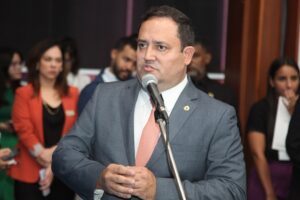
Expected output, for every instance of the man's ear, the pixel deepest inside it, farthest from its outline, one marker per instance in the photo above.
(207, 58)
(113, 54)
(188, 53)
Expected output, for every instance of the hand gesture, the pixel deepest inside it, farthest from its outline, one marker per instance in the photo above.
(117, 180)
(125, 182)
(45, 157)
(145, 183)
(291, 99)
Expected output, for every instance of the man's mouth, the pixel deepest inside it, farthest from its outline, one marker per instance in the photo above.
(149, 68)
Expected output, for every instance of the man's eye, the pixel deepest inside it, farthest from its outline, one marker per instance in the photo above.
(141, 45)
(161, 48)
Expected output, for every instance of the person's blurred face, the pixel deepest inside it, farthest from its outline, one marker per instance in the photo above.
(200, 60)
(160, 52)
(50, 64)
(286, 79)
(14, 69)
(123, 62)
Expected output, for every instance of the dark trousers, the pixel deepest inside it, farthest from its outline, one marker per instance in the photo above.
(58, 191)
(295, 186)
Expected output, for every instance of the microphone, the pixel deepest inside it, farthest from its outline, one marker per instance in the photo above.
(149, 82)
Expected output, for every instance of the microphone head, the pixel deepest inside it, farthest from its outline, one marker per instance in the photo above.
(147, 79)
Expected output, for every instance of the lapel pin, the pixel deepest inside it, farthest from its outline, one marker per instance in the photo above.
(211, 94)
(186, 108)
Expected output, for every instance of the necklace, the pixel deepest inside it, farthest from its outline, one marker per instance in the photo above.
(50, 110)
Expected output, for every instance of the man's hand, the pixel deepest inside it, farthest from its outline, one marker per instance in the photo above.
(145, 183)
(117, 180)
(4, 152)
(125, 181)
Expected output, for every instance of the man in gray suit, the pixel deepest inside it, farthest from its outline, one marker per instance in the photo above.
(100, 150)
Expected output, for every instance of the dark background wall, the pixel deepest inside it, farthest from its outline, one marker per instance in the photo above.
(97, 24)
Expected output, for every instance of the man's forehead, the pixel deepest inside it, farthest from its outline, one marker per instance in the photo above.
(158, 30)
(160, 23)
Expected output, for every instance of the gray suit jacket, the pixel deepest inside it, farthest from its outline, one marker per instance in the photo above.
(205, 142)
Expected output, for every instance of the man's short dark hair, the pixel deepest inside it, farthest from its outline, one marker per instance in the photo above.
(185, 29)
(204, 43)
(128, 40)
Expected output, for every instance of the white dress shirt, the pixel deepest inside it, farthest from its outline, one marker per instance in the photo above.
(78, 80)
(143, 108)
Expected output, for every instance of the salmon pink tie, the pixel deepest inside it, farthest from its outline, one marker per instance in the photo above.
(148, 141)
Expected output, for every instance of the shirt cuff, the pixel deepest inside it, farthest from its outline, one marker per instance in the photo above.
(37, 149)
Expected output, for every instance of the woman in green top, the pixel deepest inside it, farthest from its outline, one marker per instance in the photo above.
(10, 76)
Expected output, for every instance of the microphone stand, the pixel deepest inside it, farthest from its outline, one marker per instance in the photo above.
(162, 119)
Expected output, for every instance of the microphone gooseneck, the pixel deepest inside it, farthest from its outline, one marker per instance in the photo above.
(149, 82)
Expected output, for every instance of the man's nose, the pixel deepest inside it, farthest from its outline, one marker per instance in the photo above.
(149, 53)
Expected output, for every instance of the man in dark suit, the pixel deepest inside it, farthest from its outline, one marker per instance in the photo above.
(122, 65)
(197, 69)
(103, 152)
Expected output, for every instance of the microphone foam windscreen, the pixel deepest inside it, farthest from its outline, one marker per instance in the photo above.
(147, 79)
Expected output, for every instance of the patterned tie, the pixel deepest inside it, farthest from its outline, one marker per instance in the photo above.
(148, 141)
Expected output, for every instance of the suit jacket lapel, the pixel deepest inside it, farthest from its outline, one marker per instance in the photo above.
(129, 98)
(182, 110)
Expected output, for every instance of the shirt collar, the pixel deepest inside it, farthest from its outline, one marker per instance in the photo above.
(108, 76)
(170, 96)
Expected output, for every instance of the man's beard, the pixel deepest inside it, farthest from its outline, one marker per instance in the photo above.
(118, 73)
(197, 74)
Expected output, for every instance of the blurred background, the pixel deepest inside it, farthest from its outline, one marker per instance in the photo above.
(244, 35)
(97, 24)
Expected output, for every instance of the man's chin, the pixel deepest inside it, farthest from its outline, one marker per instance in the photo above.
(192, 73)
(123, 77)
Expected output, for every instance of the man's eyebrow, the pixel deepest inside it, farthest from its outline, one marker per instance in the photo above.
(159, 42)
(155, 41)
(140, 40)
